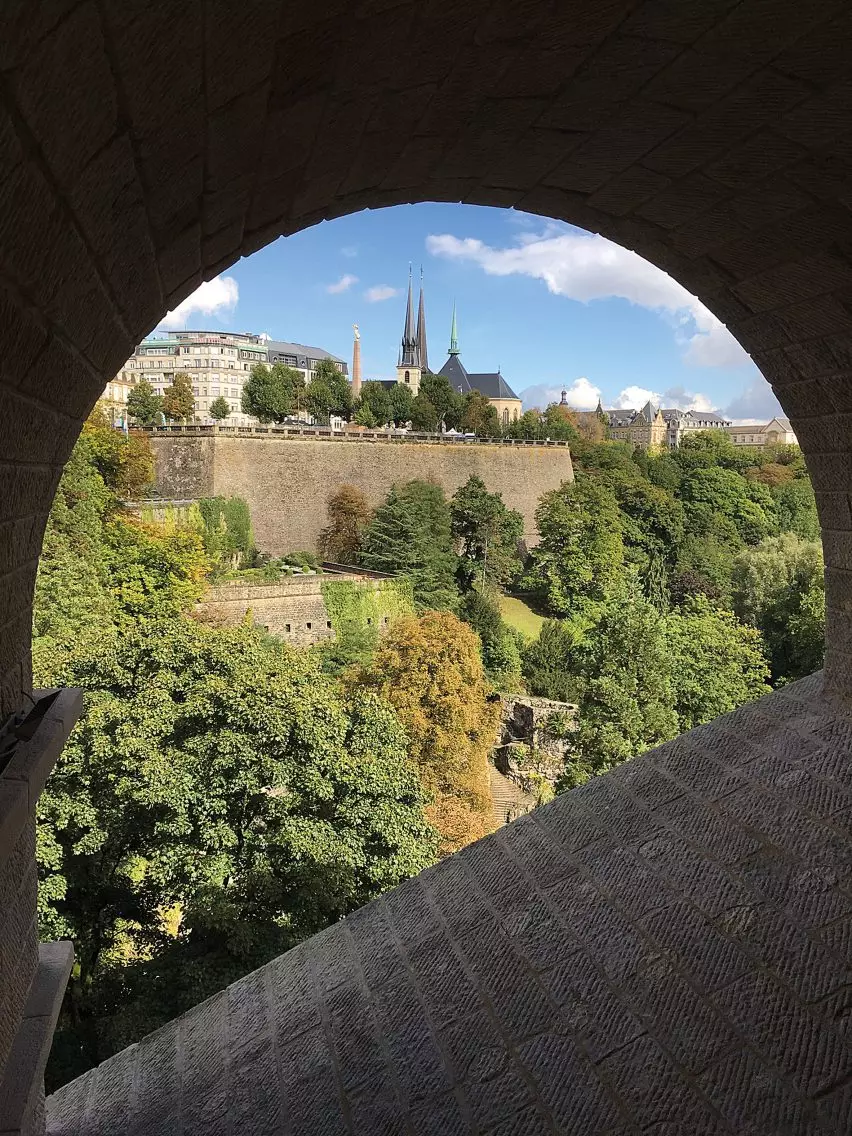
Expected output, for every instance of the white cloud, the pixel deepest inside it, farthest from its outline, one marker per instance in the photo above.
(757, 403)
(634, 398)
(380, 292)
(581, 394)
(217, 297)
(589, 267)
(342, 285)
(683, 399)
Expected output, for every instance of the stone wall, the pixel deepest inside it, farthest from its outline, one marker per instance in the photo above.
(292, 608)
(286, 480)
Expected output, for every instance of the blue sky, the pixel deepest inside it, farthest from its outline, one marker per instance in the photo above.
(552, 306)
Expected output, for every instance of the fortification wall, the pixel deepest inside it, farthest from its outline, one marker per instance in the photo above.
(293, 608)
(286, 480)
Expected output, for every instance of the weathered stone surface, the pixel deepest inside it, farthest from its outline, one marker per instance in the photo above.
(713, 138)
(528, 984)
(263, 469)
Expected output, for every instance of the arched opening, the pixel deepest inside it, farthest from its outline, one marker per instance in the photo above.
(124, 188)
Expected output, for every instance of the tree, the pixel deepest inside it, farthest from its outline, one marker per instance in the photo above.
(220, 409)
(365, 417)
(329, 392)
(549, 661)
(778, 587)
(580, 556)
(437, 389)
(376, 399)
(718, 663)
(712, 495)
(178, 399)
(125, 461)
(219, 802)
(348, 515)
(478, 416)
(424, 416)
(559, 423)
(411, 533)
(705, 449)
(271, 394)
(797, 511)
(143, 405)
(401, 404)
(487, 534)
(429, 669)
(501, 655)
(624, 681)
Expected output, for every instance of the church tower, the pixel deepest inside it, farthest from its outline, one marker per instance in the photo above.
(409, 367)
(421, 328)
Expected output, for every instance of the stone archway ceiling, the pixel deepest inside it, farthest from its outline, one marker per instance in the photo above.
(144, 146)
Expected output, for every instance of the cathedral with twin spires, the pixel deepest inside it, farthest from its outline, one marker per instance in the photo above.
(413, 363)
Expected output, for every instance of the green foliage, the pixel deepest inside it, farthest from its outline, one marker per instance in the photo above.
(447, 403)
(272, 394)
(411, 533)
(178, 399)
(549, 660)
(579, 558)
(401, 404)
(375, 407)
(487, 535)
(219, 776)
(329, 392)
(778, 587)
(478, 416)
(359, 612)
(501, 655)
(424, 416)
(642, 678)
(124, 461)
(143, 405)
(227, 530)
(797, 511)
(220, 409)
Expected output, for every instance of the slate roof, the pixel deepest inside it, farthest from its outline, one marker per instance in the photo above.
(301, 350)
(665, 948)
(490, 383)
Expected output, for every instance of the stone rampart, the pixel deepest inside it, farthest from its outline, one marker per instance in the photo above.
(293, 608)
(286, 479)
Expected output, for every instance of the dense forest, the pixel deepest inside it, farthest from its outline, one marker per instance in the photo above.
(225, 795)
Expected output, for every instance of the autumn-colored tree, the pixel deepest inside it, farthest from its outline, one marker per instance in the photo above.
(348, 513)
(429, 669)
(178, 399)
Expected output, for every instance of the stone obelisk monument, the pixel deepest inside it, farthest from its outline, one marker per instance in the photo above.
(356, 362)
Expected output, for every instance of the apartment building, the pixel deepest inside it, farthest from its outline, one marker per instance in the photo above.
(218, 362)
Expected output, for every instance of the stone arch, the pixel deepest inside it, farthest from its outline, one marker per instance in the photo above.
(136, 161)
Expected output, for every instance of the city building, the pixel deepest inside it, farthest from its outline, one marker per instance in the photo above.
(413, 358)
(654, 426)
(646, 428)
(218, 363)
(681, 422)
(114, 398)
(778, 431)
(490, 383)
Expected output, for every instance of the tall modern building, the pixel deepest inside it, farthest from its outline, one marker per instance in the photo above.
(218, 362)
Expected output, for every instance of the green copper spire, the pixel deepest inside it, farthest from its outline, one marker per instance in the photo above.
(454, 336)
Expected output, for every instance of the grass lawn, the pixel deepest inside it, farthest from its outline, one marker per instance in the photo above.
(520, 615)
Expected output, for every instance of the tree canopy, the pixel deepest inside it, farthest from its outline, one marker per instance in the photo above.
(429, 669)
(178, 399)
(272, 394)
(412, 533)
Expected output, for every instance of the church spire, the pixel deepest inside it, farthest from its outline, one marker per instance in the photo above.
(409, 355)
(454, 337)
(421, 328)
